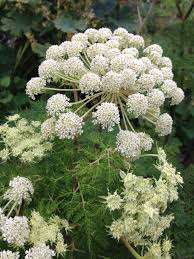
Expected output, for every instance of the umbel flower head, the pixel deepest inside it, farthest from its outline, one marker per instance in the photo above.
(142, 205)
(116, 79)
(20, 189)
(41, 252)
(9, 255)
(22, 139)
(15, 230)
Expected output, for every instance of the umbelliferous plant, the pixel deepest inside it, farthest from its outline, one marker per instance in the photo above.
(34, 237)
(112, 79)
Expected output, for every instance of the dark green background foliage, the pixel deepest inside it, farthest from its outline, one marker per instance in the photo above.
(27, 28)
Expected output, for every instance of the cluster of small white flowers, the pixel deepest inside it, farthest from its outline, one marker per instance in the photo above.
(15, 230)
(113, 201)
(48, 128)
(35, 86)
(42, 232)
(57, 104)
(48, 69)
(128, 144)
(137, 104)
(131, 144)
(74, 67)
(55, 52)
(164, 124)
(69, 125)
(90, 83)
(155, 98)
(23, 140)
(145, 141)
(107, 115)
(142, 204)
(20, 189)
(9, 255)
(40, 252)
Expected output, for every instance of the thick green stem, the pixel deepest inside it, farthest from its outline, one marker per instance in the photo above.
(131, 249)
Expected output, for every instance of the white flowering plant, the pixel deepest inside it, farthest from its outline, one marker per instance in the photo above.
(105, 84)
(45, 239)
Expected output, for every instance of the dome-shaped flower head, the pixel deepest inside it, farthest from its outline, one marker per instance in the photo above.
(55, 52)
(48, 128)
(68, 126)
(164, 124)
(107, 115)
(35, 86)
(57, 104)
(128, 144)
(20, 189)
(15, 231)
(90, 83)
(40, 252)
(137, 104)
(9, 255)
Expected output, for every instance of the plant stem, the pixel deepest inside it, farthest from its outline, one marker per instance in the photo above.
(131, 249)
(59, 89)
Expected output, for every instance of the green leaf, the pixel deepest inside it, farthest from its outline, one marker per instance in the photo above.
(17, 24)
(40, 49)
(5, 81)
(69, 24)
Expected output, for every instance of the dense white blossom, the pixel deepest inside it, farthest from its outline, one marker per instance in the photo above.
(131, 51)
(178, 96)
(90, 83)
(145, 141)
(112, 53)
(136, 41)
(48, 128)
(15, 230)
(168, 88)
(92, 34)
(68, 126)
(96, 49)
(104, 34)
(128, 78)
(55, 52)
(165, 62)
(20, 189)
(158, 75)
(112, 82)
(145, 82)
(113, 201)
(9, 255)
(74, 67)
(107, 115)
(35, 86)
(99, 65)
(57, 104)
(164, 124)
(40, 252)
(167, 73)
(155, 98)
(48, 69)
(81, 37)
(137, 104)
(128, 144)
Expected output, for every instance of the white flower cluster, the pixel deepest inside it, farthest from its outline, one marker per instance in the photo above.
(23, 140)
(9, 255)
(40, 252)
(143, 203)
(15, 230)
(20, 232)
(20, 189)
(131, 144)
(107, 115)
(43, 232)
(109, 67)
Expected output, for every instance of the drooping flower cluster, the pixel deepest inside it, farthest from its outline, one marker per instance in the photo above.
(22, 139)
(112, 72)
(36, 233)
(43, 232)
(143, 203)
